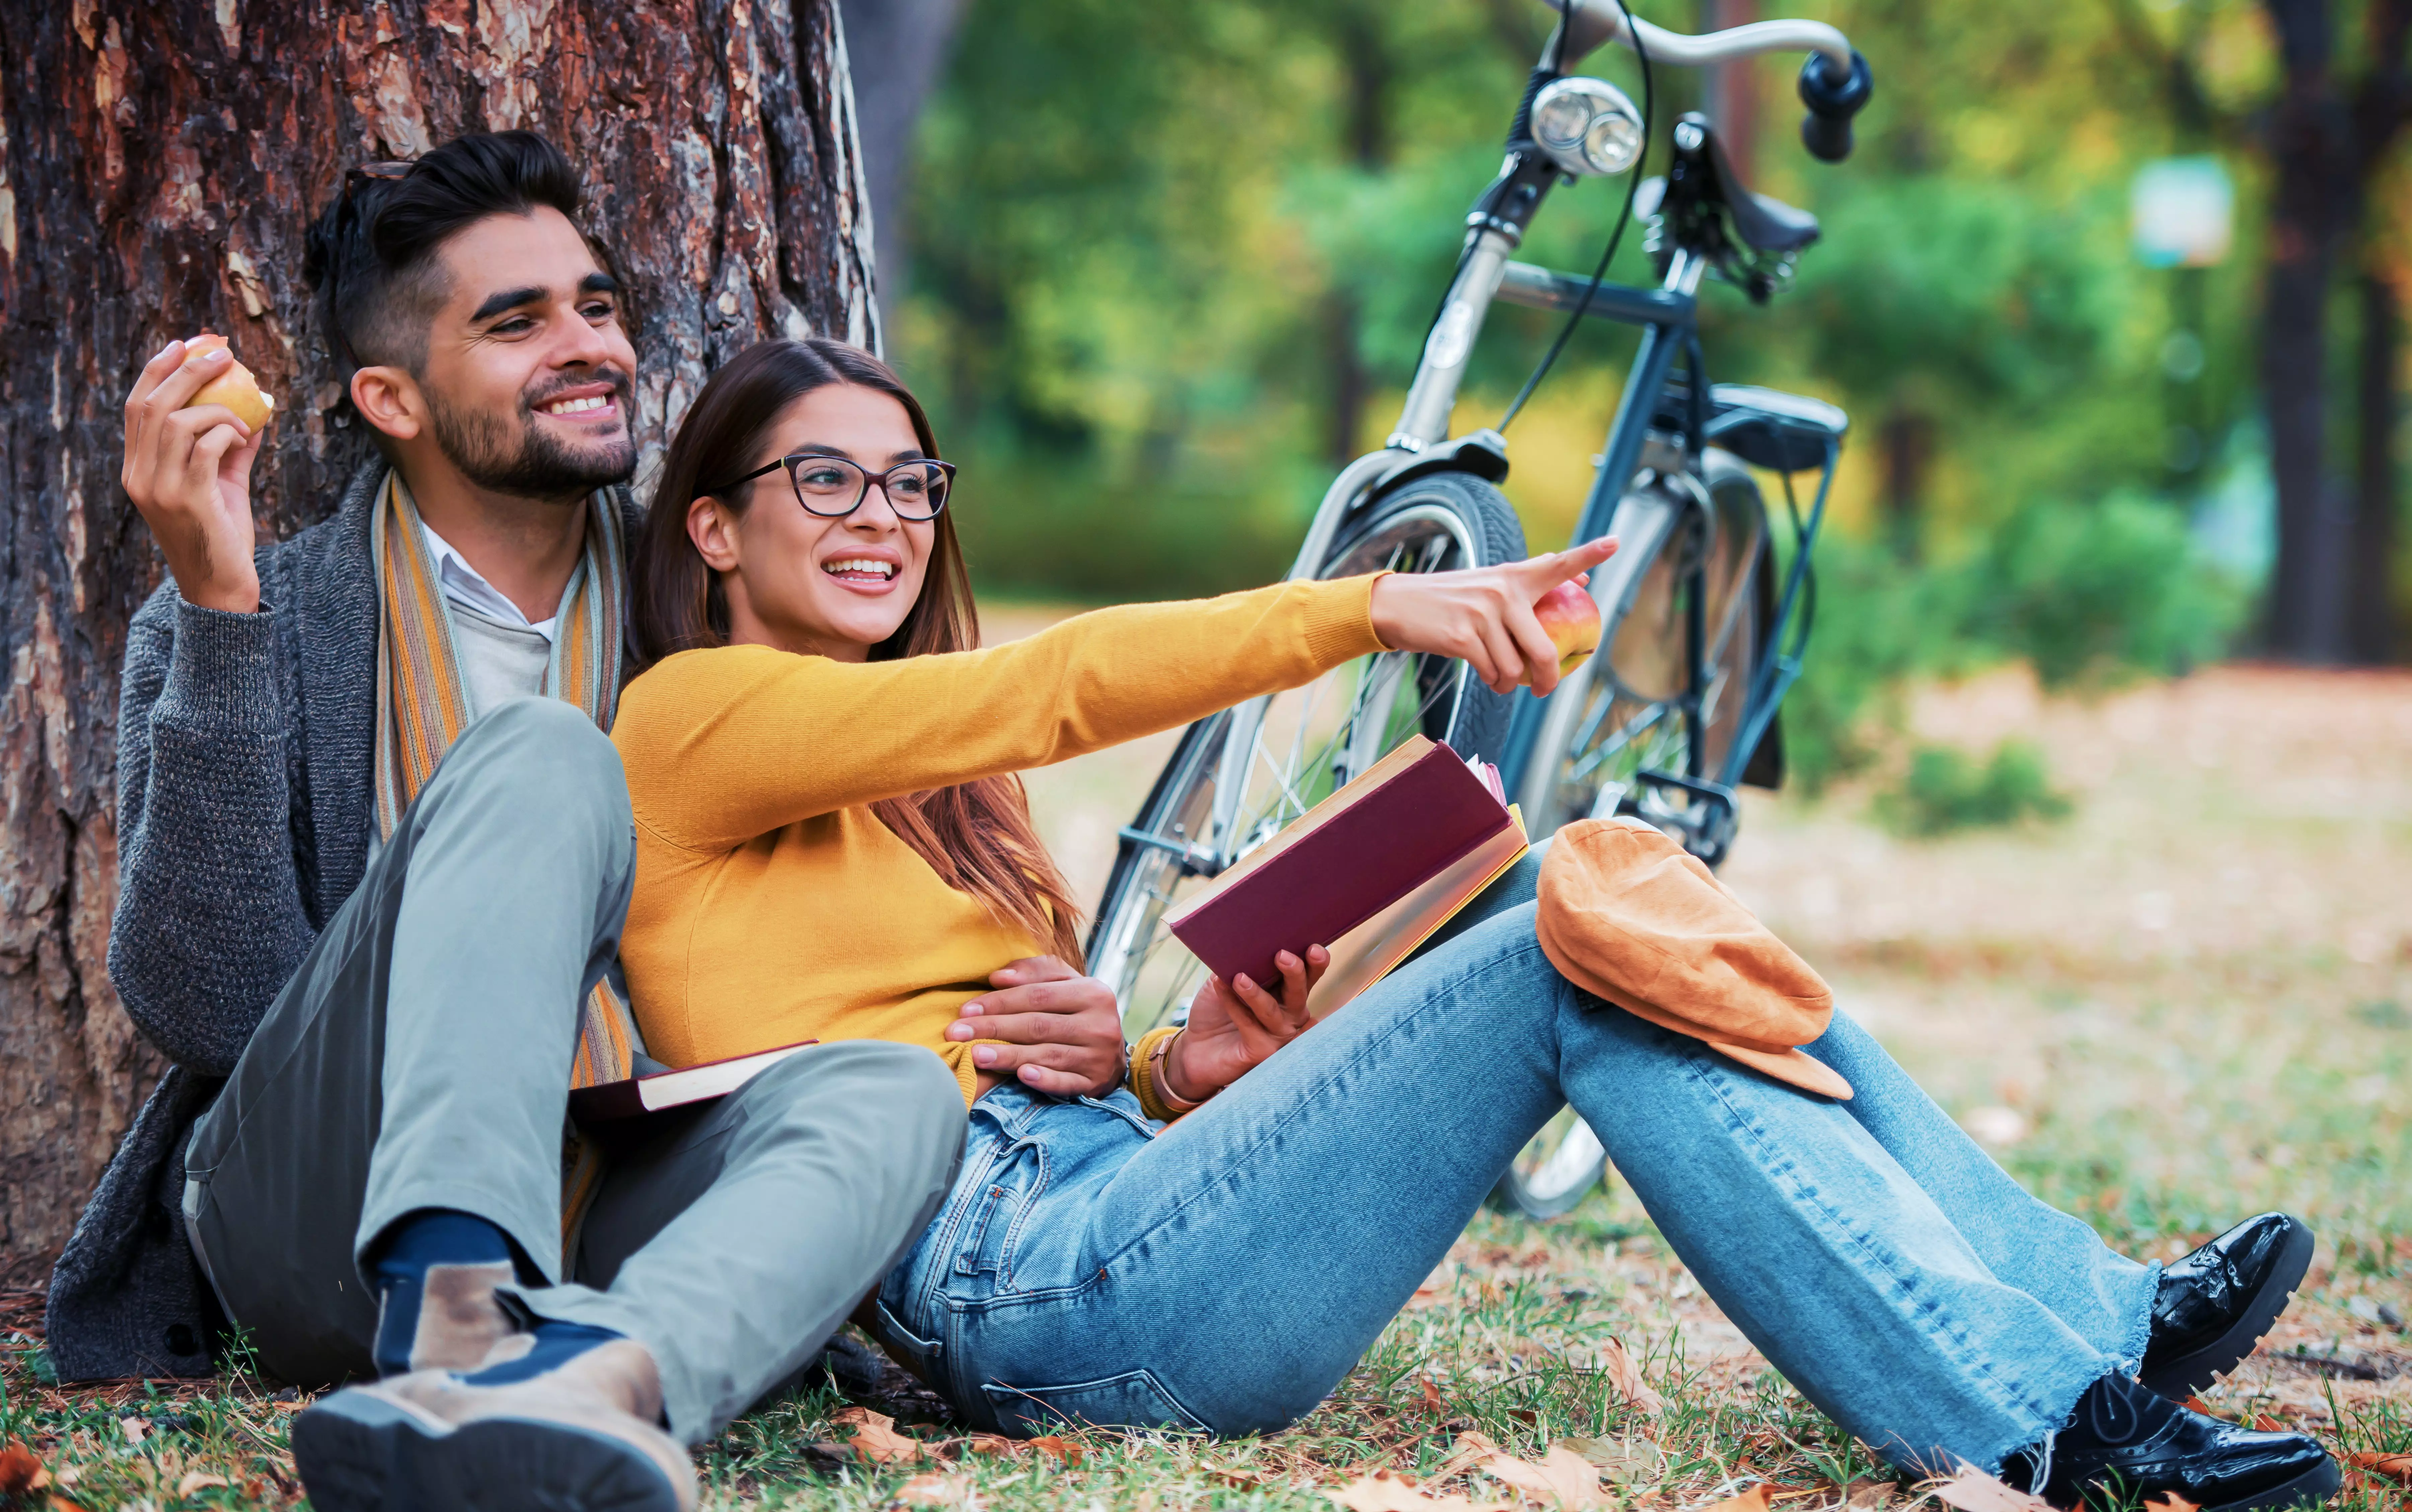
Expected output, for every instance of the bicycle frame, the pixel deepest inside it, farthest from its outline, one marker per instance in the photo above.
(1667, 318)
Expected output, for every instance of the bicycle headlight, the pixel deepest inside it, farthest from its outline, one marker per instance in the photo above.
(1587, 127)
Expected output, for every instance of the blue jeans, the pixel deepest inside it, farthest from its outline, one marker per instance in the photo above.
(1224, 1272)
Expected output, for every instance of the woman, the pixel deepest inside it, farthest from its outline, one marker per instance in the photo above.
(833, 845)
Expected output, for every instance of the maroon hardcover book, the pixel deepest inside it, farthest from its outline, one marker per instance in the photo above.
(1412, 816)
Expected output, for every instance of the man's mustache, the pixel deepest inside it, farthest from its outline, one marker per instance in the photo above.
(620, 382)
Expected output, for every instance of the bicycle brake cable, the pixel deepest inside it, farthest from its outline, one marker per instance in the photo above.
(1624, 215)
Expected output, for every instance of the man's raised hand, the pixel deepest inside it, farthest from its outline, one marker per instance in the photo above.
(1483, 616)
(188, 471)
(1063, 1032)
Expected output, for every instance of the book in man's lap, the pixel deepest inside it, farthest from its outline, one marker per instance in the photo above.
(1369, 873)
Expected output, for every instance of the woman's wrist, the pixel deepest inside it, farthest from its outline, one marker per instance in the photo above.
(1172, 1079)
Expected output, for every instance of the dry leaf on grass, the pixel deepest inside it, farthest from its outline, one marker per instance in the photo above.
(995, 1443)
(133, 1427)
(1432, 1394)
(1063, 1451)
(21, 1470)
(1383, 1491)
(875, 1437)
(1563, 1477)
(1624, 1460)
(2395, 1467)
(1973, 1490)
(198, 1480)
(1624, 1373)
(1753, 1500)
(2170, 1503)
(932, 1489)
(1471, 1449)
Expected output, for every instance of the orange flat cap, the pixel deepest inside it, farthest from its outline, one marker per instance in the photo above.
(1628, 916)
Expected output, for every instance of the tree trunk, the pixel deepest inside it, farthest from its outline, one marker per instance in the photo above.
(2371, 620)
(896, 48)
(160, 161)
(2311, 207)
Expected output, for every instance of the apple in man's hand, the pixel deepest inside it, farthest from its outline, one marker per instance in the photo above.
(236, 388)
(1571, 620)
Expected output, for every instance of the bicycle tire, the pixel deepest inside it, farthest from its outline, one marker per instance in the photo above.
(1620, 713)
(1720, 514)
(1180, 837)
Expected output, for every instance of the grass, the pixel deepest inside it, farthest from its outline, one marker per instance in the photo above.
(2190, 999)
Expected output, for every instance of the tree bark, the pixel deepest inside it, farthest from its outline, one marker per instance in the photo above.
(2308, 144)
(159, 164)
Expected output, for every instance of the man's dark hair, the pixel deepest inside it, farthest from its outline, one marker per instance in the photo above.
(370, 257)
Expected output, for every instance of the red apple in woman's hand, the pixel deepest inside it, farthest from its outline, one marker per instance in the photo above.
(1571, 621)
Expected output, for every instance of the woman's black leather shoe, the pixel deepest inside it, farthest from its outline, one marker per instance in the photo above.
(2126, 1443)
(2214, 1305)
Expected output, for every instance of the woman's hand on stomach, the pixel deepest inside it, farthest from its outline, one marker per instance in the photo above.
(1063, 1032)
(1235, 1026)
(1483, 616)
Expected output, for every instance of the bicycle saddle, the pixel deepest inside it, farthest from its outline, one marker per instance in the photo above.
(1702, 174)
(1782, 432)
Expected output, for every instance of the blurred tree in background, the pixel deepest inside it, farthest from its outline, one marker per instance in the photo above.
(1170, 263)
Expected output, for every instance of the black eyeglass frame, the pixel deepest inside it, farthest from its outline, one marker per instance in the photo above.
(789, 461)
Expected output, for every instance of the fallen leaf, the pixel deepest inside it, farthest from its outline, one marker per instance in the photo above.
(995, 1443)
(2395, 1467)
(1626, 1375)
(196, 1481)
(1563, 1476)
(1471, 1449)
(875, 1437)
(1432, 1394)
(931, 1489)
(60, 1503)
(1235, 1478)
(2170, 1503)
(21, 1470)
(1753, 1500)
(1059, 1449)
(2267, 1424)
(1625, 1460)
(133, 1427)
(1973, 1490)
(1383, 1491)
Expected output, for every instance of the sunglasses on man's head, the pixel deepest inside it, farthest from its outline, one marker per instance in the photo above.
(835, 487)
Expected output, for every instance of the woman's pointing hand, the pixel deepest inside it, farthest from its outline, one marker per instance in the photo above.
(1483, 616)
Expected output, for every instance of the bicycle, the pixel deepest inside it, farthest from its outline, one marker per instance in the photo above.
(1700, 643)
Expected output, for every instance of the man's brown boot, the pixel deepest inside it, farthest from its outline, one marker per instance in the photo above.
(581, 1437)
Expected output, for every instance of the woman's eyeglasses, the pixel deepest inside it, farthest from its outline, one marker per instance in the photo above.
(834, 487)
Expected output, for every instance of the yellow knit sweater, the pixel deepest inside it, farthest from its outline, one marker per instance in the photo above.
(773, 906)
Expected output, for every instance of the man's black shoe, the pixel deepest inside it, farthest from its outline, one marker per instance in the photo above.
(2215, 1304)
(2127, 1444)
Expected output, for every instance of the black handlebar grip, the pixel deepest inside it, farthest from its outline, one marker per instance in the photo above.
(1827, 137)
(1834, 96)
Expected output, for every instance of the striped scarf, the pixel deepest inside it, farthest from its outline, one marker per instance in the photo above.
(424, 706)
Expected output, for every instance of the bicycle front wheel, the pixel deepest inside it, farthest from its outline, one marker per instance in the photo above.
(1237, 777)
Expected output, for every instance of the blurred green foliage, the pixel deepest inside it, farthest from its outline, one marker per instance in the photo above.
(1156, 248)
(1945, 789)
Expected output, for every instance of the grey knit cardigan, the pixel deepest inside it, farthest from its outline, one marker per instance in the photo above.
(244, 754)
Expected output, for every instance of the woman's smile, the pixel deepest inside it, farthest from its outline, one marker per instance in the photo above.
(871, 573)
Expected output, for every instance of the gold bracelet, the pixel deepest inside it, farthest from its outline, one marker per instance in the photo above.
(1171, 1100)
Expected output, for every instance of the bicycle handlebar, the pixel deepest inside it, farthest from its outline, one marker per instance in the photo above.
(1836, 82)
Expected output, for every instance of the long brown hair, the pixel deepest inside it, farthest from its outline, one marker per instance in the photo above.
(975, 835)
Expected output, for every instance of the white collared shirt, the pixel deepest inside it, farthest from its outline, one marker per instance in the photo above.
(466, 586)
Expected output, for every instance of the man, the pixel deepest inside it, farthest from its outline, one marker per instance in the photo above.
(375, 853)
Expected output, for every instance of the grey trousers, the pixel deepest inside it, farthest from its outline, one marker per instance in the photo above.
(421, 1057)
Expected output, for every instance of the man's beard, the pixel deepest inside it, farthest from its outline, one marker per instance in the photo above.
(533, 464)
